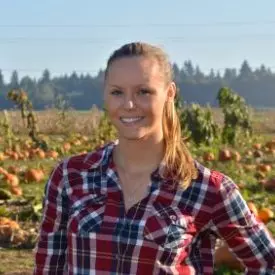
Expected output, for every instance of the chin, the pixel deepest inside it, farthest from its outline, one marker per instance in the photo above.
(132, 136)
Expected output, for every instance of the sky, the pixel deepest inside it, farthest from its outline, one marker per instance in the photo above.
(65, 36)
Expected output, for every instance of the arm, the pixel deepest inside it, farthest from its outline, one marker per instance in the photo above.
(247, 238)
(51, 246)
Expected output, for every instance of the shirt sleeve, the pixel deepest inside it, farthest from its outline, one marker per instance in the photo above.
(50, 250)
(246, 237)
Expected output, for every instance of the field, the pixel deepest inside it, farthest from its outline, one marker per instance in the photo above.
(252, 165)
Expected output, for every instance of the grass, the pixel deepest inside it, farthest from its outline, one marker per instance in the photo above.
(14, 261)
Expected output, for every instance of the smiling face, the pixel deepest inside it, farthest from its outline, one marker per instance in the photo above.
(135, 94)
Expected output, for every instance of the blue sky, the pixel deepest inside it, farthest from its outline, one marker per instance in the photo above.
(79, 35)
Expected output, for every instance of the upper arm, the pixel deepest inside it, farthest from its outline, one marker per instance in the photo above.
(245, 236)
(52, 243)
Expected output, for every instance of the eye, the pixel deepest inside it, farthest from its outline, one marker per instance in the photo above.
(116, 92)
(144, 91)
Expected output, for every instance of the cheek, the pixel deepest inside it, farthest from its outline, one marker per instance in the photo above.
(157, 109)
(111, 105)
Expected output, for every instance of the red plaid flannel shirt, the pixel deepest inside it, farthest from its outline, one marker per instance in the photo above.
(85, 229)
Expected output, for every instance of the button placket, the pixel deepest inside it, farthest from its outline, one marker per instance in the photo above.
(119, 244)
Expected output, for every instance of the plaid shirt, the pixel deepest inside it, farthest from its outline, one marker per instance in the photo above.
(85, 229)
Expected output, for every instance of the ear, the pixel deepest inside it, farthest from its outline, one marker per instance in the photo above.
(171, 91)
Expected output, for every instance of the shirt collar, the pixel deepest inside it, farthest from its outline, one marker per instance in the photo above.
(102, 159)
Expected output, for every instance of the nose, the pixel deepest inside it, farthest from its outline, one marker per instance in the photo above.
(129, 103)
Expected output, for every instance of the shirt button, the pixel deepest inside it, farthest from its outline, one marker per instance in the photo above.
(173, 217)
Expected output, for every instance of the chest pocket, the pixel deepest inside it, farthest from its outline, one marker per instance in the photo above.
(86, 216)
(168, 227)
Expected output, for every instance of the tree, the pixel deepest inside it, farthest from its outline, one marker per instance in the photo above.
(245, 71)
(211, 75)
(176, 72)
(14, 82)
(230, 75)
(1, 81)
(28, 85)
(189, 69)
(46, 76)
(199, 76)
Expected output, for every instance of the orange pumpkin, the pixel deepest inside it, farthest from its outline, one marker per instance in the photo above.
(208, 156)
(257, 146)
(265, 215)
(41, 154)
(16, 190)
(7, 227)
(52, 154)
(225, 155)
(2, 156)
(12, 179)
(264, 167)
(34, 175)
(270, 144)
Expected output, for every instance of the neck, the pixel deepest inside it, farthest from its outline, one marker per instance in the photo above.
(137, 156)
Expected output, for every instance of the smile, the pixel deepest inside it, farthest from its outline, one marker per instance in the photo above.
(131, 119)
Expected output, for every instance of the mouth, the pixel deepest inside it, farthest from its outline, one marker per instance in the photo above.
(131, 120)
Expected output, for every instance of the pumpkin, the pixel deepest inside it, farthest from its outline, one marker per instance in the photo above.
(12, 179)
(52, 154)
(208, 156)
(225, 155)
(265, 215)
(257, 146)
(41, 154)
(269, 184)
(264, 167)
(270, 144)
(2, 156)
(34, 175)
(7, 227)
(16, 190)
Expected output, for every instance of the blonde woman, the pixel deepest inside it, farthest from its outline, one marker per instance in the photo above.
(142, 204)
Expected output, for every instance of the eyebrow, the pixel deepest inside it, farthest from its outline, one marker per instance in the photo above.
(137, 86)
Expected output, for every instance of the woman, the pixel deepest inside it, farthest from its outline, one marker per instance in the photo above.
(141, 204)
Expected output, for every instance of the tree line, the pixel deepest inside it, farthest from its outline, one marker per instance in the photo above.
(82, 91)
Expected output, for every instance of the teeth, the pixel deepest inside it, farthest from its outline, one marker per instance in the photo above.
(130, 119)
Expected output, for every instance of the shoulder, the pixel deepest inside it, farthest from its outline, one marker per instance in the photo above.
(213, 180)
(90, 160)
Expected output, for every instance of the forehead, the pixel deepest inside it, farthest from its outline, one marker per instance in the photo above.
(134, 70)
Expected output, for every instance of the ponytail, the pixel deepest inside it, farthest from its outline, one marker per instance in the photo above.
(177, 157)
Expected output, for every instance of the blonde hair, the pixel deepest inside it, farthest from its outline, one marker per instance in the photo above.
(179, 162)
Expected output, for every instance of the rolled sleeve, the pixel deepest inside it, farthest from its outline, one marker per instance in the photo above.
(246, 237)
